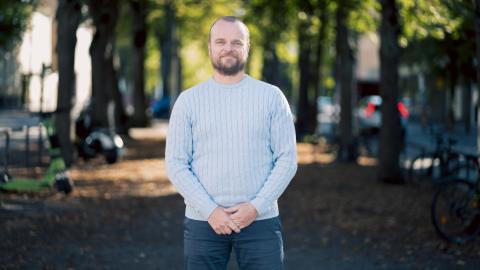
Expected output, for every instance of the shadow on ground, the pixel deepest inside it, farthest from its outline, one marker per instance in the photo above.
(127, 216)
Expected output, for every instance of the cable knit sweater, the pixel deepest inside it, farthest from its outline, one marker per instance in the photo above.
(231, 143)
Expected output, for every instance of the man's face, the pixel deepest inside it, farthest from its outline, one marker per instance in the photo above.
(228, 47)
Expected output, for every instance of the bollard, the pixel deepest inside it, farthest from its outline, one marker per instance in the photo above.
(7, 148)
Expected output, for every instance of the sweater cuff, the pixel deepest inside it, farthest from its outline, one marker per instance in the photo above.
(208, 209)
(261, 205)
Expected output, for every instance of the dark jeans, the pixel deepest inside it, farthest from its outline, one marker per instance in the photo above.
(257, 247)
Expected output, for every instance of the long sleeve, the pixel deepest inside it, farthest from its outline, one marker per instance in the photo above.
(178, 156)
(283, 147)
(231, 143)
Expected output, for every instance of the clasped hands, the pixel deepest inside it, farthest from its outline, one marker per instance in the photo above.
(233, 219)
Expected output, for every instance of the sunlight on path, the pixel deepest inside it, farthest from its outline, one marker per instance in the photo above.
(140, 173)
(308, 153)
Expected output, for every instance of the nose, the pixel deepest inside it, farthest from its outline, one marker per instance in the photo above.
(227, 47)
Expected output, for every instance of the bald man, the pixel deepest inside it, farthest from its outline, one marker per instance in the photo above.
(231, 153)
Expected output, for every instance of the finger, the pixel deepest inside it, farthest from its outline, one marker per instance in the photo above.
(226, 228)
(232, 209)
(238, 222)
(239, 225)
(237, 228)
(233, 226)
(235, 214)
(237, 217)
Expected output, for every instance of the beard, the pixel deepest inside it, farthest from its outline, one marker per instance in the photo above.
(228, 68)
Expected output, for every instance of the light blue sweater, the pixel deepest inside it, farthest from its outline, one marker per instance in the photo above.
(231, 143)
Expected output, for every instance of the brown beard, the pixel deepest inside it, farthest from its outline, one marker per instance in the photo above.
(228, 70)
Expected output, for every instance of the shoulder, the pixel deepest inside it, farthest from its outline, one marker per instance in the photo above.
(188, 95)
(273, 92)
(264, 86)
(189, 92)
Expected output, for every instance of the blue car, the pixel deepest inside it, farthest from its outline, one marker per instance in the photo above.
(160, 108)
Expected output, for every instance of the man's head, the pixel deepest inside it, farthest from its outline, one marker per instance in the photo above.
(228, 45)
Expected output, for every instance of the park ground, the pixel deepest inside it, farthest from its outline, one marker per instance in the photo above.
(128, 216)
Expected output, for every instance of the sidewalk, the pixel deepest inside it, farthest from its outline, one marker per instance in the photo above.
(128, 216)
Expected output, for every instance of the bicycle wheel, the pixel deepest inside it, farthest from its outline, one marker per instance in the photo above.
(455, 212)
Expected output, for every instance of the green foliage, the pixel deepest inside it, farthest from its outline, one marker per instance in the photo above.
(438, 33)
(14, 18)
(123, 37)
(263, 16)
(435, 26)
(432, 18)
(364, 16)
(194, 19)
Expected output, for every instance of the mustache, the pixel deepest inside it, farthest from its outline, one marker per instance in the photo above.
(232, 54)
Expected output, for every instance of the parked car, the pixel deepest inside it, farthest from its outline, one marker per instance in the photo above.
(328, 111)
(370, 118)
(328, 115)
(160, 108)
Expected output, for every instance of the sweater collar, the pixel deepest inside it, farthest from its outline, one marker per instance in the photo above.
(229, 86)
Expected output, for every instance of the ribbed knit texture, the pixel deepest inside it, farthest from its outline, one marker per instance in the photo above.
(231, 143)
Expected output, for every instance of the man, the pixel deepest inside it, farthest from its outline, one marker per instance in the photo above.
(231, 152)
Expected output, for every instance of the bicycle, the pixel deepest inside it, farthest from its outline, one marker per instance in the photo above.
(435, 165)
(455, 209)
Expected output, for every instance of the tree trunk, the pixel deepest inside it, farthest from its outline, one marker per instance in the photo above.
(389, 150)
(317, 68)
(453, 76)
(347, 150)
(104, 81)
(466, 104)
(303, 108)
(99, 98)
(175, 65)
(167, 38)
(68, 17)
(139, 32)
(477, 41)
(270, 70)
(322, 39)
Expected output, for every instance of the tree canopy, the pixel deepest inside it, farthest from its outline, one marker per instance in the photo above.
(14, 19)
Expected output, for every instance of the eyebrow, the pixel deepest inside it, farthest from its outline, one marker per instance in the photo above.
(222, 39)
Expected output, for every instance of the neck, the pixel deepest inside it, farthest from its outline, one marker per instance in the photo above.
(220, 78)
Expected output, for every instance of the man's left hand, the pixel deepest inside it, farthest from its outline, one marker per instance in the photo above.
(242, 214)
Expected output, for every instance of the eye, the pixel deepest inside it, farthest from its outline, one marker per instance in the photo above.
(237, 43)
(220, 42)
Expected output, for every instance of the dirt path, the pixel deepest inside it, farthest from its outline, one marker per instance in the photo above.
(128, 216)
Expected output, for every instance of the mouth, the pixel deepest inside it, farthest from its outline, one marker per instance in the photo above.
(228, 59)
(229, 56)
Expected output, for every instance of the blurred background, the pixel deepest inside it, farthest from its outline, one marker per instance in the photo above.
(336, 61)
(374, 86)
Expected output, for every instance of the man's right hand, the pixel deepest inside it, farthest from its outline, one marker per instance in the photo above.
(221, 223)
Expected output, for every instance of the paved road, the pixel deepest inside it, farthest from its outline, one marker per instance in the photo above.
(132, 232)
